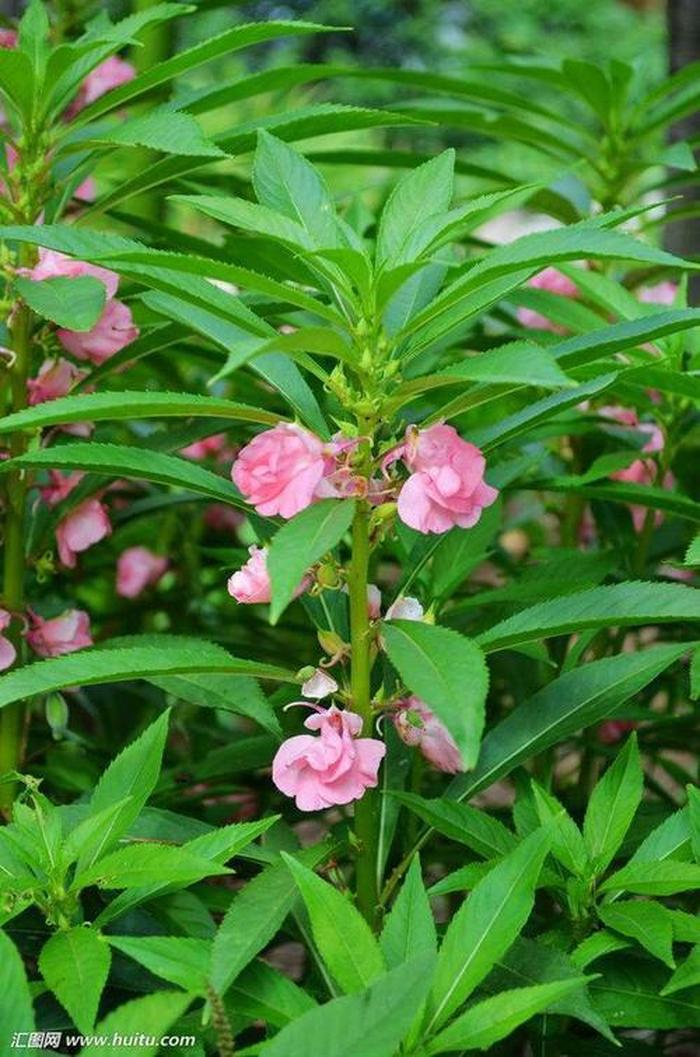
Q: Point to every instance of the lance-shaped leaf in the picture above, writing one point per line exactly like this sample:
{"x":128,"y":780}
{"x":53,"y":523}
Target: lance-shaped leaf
{"x":486,"y":1022}
{"x":484,"y":927}
{"x":618,"y":605}
{"x":448,"y":672}
{"x":116,"y":460}
{"x":342,"y":936}
{"x":409,"y":929}
{"x":686,"y":975}
{"x":372,"y":1023}
{"x":577,"y":699}
{"x":115,"y":665}
{"x":151,"y":1016}
{"x":16,"y":1012}
{"x":420,"y":194}
{"x":114,"y":407}
{"x":612,"y":806}
{"x":301,"y":542}
{"x":181,"y":960}
{"x":647,"y":922}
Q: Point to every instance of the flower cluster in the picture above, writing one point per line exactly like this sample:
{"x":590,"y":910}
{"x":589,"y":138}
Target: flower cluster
{"x":285,"y":469}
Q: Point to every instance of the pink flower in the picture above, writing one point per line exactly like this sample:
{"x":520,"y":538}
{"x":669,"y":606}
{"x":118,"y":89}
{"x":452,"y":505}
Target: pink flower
{"x":108,"y":75}
{"x":60,"y":486}
{"x":87,"y":524}
{"x":417,"y":725}
{"x":554,"y":282}
{"x":334,"y":768}
{"x":8,"y":654}
{"x":55,"y":378}
{"x":113,"y":331}
{"x":137,"y":569}
{"x":64,"y":634}
{"x":52,"y":265}
{"x":282,"y":470}
{"x":251,"y":583}
{"x":663,"y":293}
{"x":446,"y":486}
{"x":8,"y":38}
{"x":86,"y":191}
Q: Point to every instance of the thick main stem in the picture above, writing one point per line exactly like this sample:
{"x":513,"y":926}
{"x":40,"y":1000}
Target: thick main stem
{"x":366,"y":815}
{"x":13,"y":717}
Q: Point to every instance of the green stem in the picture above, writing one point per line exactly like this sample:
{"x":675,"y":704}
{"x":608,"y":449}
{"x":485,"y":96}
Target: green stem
{"x":13,"y":717}
{"x":366,"y":812}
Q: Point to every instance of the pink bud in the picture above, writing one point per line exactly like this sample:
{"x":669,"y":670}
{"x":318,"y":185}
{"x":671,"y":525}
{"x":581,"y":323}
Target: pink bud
{"x":84,"y":526}
{"x":137,"y":569}
{"x":334,"y":768}
{"x":55,"y":378}
{"x":417,"y":725}
{"x":63,"y":634}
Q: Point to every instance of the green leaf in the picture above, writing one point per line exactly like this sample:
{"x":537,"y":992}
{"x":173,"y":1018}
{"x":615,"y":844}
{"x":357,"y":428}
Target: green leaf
{"x":409,"y":928}
{"x":151,"y":1016}
{"x":249,"y":216}
{"x":654,"y":878}
{"x":262,"y":993}
{"x":130,"y":779}
{"x":686,"y":975}
{"x":371,"y":1023}
{"x":692,"y":555}
{"x":114,"y":460}
{"x":117,"y":406}
{"x":218,"y":846}
{"x":519,"y":361}
{"x":111,"y":665}
{"x":241,"y":36}
{"x":287,"y":183}
{"x":180,"y":960}
{"x":579,"y":698}
{"x":481,"y":832}
{"x":74,"y":303}
{"x":492,"y":1019}
{"x":254,"y":916}
{"x":648,"y":923}
{"x":448,"y":672}
{"x":670,"y":840}
{"x":628,"y":996}
{"x":618,"y":605}
{"x":343,"y":937}
{"x":238,"y":694}
{"x":75,"y":965}
{"x":16,"y":1012}
{"x":567,"y":842}
{"x":485,"y":926}
{"x":161,"y":129}
{"x":141,"y":864}
{"x":596,"y":946}
{"x":423,"y":192}
{"x":613,"y":805}
{"x":301,"y":542}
